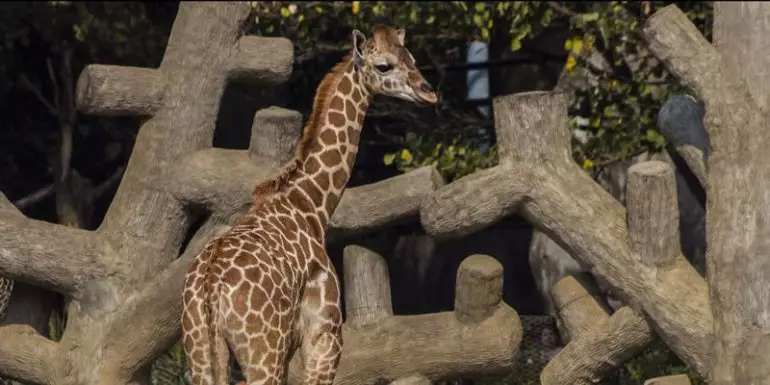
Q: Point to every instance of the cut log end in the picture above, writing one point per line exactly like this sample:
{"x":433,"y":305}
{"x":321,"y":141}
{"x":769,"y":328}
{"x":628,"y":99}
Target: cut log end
{"x":274,"y":134}
{"x":479,"y":288}
{"x":367,"y":286}
{"x":652,"y":213}
{"x":577,"y":302}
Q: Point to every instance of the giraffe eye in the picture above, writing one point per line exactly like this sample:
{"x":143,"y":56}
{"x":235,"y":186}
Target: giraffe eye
{"x":383,"y":68}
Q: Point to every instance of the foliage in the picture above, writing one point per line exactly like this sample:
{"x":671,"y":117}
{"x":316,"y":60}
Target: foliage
{"x":621,"y":105}
{"x":617,"y":110}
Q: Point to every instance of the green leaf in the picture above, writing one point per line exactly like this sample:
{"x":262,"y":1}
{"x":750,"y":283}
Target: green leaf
{"x":406,"y":156}
{"x":593,"y":16}
{"x":388,"y":159}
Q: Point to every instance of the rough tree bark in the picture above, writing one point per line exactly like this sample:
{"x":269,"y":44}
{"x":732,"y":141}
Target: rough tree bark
{"x":537,"y":177}
{"x":124,"y":280}
{"x":607,"y":341}
{"x":730,"y":78}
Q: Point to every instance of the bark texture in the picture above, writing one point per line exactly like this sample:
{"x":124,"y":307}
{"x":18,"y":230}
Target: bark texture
{"x":730,"y":78}
{"x":538,"y":178}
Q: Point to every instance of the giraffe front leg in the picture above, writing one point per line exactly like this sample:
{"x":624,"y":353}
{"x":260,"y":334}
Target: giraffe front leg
{"x":322,"y":328}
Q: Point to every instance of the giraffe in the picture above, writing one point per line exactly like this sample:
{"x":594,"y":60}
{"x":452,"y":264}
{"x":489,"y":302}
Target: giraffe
{"x":266,"y":288}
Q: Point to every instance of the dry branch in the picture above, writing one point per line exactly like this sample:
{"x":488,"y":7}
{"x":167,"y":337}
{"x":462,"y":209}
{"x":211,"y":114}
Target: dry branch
{"x":653,"y":216}
{"x":218,"y":179}
{"x":556,"y":196}
{"x":675,"y":40}
{"x":477,"y":338}
{"x":590,"y":356}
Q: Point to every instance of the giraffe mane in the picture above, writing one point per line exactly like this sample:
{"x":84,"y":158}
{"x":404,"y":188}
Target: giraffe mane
{"x":323,"y":95}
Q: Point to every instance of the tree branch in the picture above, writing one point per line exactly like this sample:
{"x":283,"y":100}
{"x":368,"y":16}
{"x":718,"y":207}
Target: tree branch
{"x":688,"y":55}
{"x":56,"y":257}
{"x":385,"y":203}
{"x":36,"y":196}
{"x":26,"y":83}
{"x":25,"y":354}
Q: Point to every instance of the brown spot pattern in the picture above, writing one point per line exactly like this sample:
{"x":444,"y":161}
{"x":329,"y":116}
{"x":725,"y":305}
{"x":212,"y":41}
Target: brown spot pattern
{"x":345,"y":85}
{"x":350,"y":111}
{"x":339,"y":179}
{"x":331,"y":157}
{"x":328,"y":137}
{"x":336,"y":119}
{"x":323,"y":180}
{"x":337,"y":103}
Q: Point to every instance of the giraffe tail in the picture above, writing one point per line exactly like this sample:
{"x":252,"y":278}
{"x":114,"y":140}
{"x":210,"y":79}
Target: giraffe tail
{"x":219,"y":353}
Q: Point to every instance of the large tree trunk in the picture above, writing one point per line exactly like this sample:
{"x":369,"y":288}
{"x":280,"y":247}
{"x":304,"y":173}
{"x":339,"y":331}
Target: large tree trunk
{"x":731,"y":78}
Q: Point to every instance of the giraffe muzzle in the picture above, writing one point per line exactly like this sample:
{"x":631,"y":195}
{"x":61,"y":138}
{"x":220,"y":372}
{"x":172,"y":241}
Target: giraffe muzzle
{"x":427,"y":94}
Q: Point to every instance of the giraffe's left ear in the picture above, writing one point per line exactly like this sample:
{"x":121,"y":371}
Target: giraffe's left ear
{"x":400,"y":35}
{"x":358,"y":43}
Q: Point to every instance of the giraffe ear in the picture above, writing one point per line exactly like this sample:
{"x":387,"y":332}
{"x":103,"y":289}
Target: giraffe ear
{"x":358,"y":43}
{"x":400,"y":35}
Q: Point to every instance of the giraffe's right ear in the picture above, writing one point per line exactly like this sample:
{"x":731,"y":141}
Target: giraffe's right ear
{"x":358,"y":43}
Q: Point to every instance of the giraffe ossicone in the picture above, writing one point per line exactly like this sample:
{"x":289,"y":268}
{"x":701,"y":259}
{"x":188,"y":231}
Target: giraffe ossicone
{"x":266,"y":288}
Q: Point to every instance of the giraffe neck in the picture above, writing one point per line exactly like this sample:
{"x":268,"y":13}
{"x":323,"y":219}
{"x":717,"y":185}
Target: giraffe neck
{"x":327,"y":151}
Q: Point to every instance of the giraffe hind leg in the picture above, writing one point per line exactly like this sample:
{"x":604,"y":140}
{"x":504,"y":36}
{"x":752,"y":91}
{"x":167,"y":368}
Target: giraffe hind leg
{"x":258,"y":340}
{"x":322,"y":324}
{"x":198,"y":338}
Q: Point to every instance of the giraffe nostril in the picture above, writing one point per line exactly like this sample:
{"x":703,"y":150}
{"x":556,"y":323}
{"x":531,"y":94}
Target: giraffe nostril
{"x":426,"y":87}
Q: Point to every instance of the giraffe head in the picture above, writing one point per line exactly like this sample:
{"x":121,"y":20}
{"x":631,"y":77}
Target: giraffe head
{"x":388,"y":68}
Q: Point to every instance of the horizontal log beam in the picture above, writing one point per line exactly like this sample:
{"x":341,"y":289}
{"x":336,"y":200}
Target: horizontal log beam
{"x":52,"y":256}
{"x":391,"y":201}
{"x":110,"y":90}
{"x":267,"y":61}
